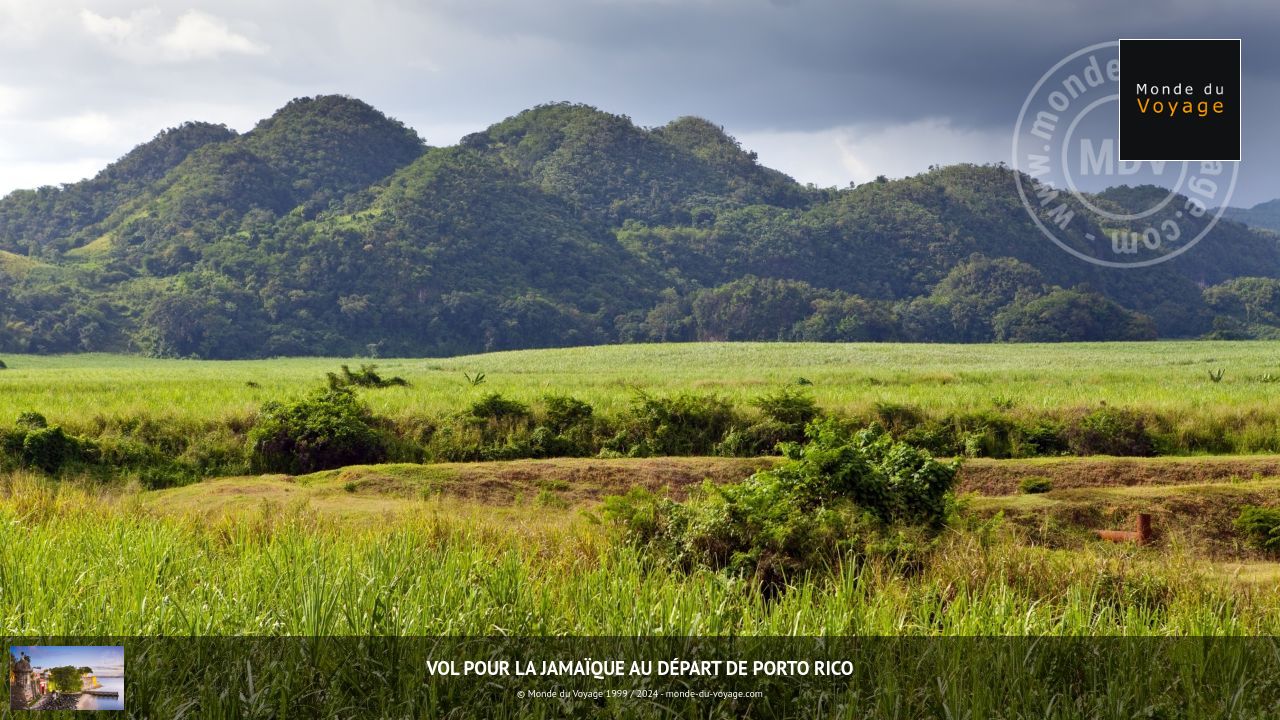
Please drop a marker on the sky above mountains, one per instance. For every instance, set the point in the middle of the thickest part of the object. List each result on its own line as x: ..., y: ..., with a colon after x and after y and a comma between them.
x: 829, y: 92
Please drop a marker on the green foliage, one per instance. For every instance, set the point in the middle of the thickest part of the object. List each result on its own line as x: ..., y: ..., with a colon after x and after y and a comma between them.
x: 366, y: 377
x: 329, y: 229
x: 495, y: 407
x: 683, y: 424
x: 1261, y: 527
x: 1246, y: 307
x: 1035, y: 484
x: 35, y: 443
x: 840, y: 492
x: 565, y: 413
x: 32, y: 220
x: 1071, y: 316
x: 324, y: 430
x: 48, y: 448
x: 1216, y: 375
x: 784, y: 415
x: 1109, y: 431
x: 31, y: 420
x: 65, y: 679
x: 788, y: 406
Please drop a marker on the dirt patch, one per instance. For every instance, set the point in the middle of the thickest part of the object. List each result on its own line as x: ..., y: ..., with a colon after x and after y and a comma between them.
x: 590, y: 480
x: 1197, y: 519
x: 1001, y: 477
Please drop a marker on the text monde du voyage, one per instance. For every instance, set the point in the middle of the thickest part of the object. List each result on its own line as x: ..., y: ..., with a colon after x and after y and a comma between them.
x: 1181, y: 99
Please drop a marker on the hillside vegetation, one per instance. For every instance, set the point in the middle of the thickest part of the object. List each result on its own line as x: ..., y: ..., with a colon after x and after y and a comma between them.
x: 331, y: 229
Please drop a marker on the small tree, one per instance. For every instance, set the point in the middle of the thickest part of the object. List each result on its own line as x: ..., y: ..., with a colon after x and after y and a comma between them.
x: 329, y: 429
x: 1261, y: 527
x: 65, y: 679
x: 834, y: 494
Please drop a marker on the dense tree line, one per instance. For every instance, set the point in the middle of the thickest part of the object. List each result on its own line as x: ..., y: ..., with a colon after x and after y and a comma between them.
x: 332, y: 229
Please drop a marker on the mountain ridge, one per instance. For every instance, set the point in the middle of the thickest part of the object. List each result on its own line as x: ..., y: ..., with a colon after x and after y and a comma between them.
x: 330, y: 228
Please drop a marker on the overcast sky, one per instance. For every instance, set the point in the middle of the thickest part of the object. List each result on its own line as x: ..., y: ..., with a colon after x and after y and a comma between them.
x: 828, y: 91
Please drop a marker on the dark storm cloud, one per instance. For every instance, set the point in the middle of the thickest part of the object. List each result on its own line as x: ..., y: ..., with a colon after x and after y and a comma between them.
x: 810, y: 65
x: 89, y: 79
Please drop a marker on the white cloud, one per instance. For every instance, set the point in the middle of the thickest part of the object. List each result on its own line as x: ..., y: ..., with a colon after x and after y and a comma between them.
x: 14, y: 175
x: 859, y: 153
x: 142, y: 36
x: 198, y: 35
x: 12, y: 100
x: 112, y: 29
x: 90, y: 128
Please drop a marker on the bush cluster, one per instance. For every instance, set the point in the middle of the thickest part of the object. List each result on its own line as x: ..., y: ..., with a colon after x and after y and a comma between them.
x: 1260, y: 526
x: 327, y: 429
x: 332, y: 427
x: 1035, y: 484
x: 684, y: 424
x: 841, y: 492
x: 366, y: 377
x: 36, y: 444
x: 1001, y: 434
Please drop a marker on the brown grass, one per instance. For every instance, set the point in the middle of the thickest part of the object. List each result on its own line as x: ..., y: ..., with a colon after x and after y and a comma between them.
x: 1001, y: 477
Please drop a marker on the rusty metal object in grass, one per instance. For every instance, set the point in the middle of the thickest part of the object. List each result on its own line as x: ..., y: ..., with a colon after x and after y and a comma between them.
x: 1141, y: 535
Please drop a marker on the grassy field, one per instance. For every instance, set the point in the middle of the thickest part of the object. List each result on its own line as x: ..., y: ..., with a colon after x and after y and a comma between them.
x: 518, y: 547
x: 1171, y: 377
x: 521, y: 548
x: 312, y: 556
x: 292, y: 560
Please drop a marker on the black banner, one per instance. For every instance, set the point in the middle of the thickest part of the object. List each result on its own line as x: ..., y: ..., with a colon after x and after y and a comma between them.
x: 853, y: 677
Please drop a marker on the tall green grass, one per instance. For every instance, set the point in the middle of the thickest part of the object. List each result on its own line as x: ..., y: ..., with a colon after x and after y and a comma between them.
x: 76, y: 562
x: 174, y: 420
x: 1169, y: 377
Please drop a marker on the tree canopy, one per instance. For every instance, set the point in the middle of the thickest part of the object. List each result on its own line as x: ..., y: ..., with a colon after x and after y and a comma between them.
x: 330, y: 228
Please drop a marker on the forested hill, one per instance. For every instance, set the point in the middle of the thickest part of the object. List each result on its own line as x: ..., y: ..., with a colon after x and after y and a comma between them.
x: 1264, y: 215
x: 331, y: 229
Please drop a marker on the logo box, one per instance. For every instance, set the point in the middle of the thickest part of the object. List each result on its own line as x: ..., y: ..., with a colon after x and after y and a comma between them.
x: 1161, y: 80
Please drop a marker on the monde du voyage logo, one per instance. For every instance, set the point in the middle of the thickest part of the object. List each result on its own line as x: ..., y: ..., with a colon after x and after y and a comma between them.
x: 1127, y: 150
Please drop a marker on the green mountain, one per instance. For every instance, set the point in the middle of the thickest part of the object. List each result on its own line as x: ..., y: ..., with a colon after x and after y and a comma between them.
x: 1263, y: 215
x: 331, y: 229
x: 31, y: 220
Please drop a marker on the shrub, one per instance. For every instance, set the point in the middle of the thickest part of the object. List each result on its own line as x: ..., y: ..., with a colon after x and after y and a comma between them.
x: 1035, y: 484
x: 328, y: 429
x: 684, y: 424
x: 32, y: 420
x: 1043, y: 436
x: 898, y: 417
x: 788, y: 406
x: 549, y: 499
x: 1260, y: 527
x: 47, y: 448
x: 837, y: 493
x: 785, y: 415
x: 565, y: 413
x: 760, y: 438
x: 1109, y: 431
x: 3, y: 366
x: 495, y: 407
x: 366, y: 376
x: 984, y: 434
